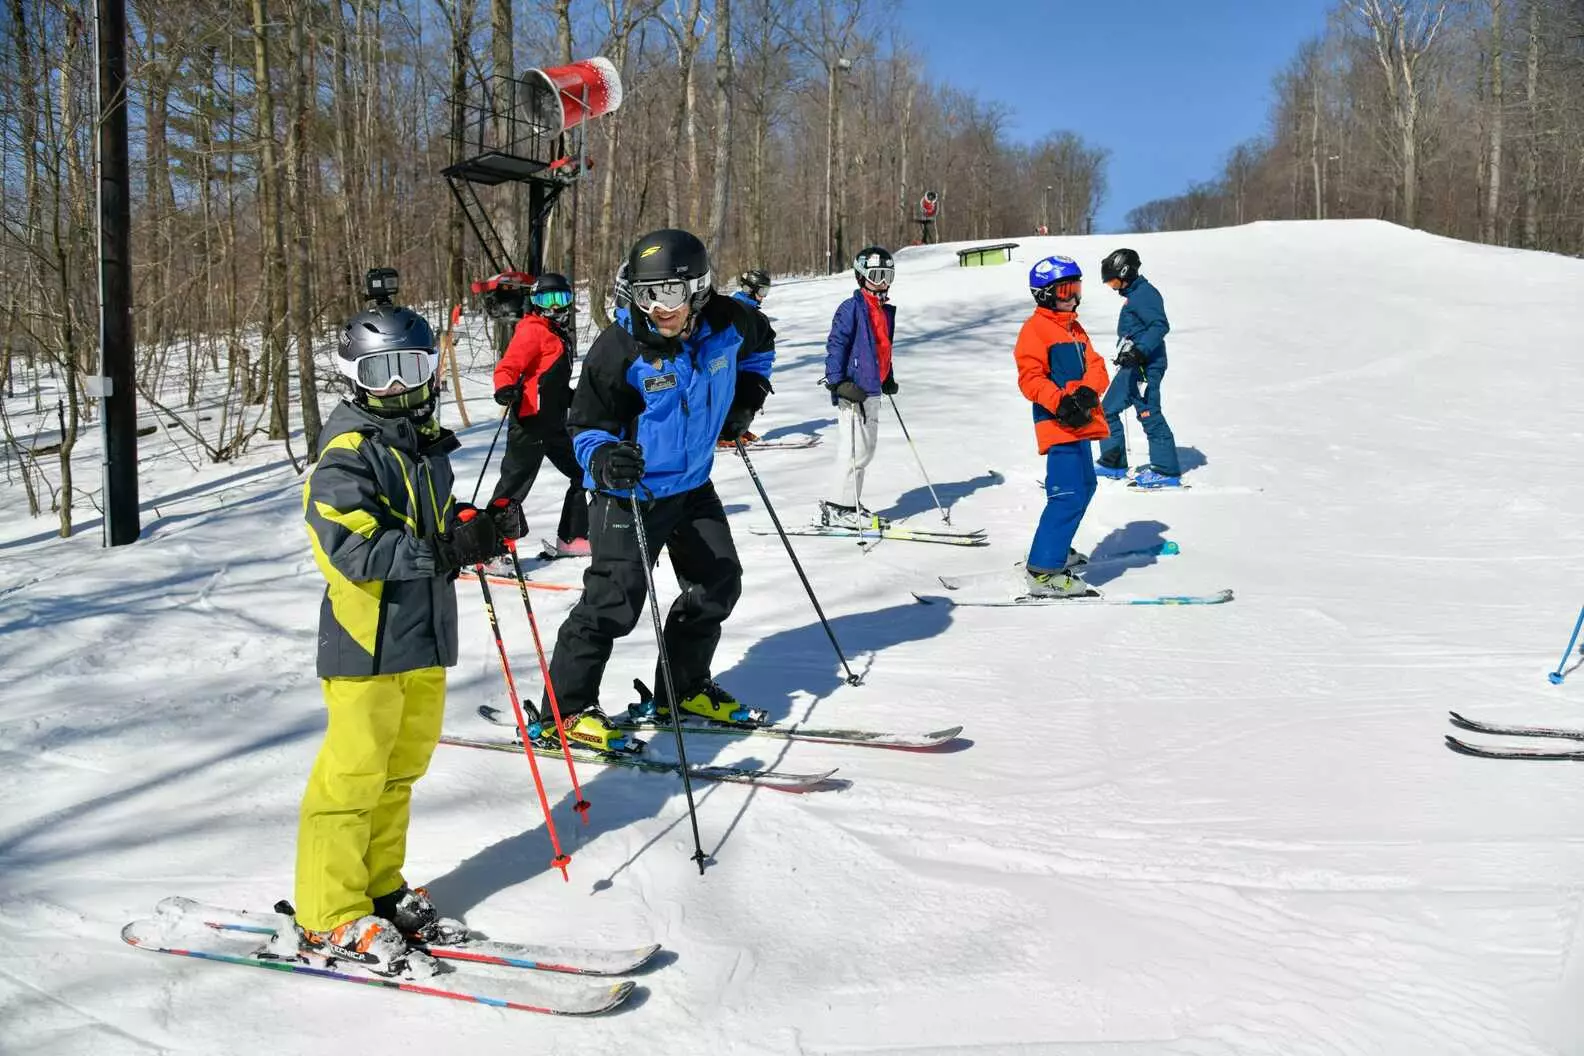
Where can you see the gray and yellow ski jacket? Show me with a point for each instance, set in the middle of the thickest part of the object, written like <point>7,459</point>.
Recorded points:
<point>379,492</point>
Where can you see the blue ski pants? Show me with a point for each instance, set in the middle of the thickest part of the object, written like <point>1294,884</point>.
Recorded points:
<point>1069,485</point>
<point>1140,388</point>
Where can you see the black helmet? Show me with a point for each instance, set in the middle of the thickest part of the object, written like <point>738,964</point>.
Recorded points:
<point>668,268</point>
<point>1120,264</point>
<point>382,346</point>
<point>552,297</point>
<point>753,280</point>
<point>621,290</point>
<point>874,267</point>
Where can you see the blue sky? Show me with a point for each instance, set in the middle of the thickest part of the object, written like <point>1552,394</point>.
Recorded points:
<point>1169,86</point>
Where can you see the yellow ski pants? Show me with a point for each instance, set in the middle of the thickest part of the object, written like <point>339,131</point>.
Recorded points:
<point>352,830</point>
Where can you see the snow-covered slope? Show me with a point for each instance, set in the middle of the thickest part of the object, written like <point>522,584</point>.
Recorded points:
<point>1195,830</point>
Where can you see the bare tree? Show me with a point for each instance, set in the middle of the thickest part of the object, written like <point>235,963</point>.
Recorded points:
<point>1403,33</point>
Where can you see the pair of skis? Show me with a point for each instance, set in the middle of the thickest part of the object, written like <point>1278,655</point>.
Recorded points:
<point>188,928</point>
<point>1502,751</point>
<point>771,779</point>
<point>789,443</point>
<point>970,591</point>
<point>945,534</point>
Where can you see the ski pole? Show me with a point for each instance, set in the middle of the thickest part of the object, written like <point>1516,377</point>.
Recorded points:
<point>742,452</point>
<point>505,414</point>
<point>945,514</point>
<point>665,673</point>
<point>561,859</point>
<point>582,805</point>
<point>1557,676</point>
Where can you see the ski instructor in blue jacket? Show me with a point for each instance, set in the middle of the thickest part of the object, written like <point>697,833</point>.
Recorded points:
<point>685,369</point>
<point>1141,363</point>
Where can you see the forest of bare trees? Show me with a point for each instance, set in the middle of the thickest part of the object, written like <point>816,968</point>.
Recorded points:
<point>281,147</point>
<point>1461,117</point>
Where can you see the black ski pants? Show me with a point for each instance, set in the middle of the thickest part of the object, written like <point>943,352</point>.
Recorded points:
<point>528,443</point>
<point>692,527</point>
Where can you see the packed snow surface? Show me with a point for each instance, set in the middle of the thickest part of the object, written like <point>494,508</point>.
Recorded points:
<point>1167,830</point>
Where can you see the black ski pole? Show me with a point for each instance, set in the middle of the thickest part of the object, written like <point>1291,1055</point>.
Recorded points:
<point>945,514</point>
<point>742,452</point>
<point>665,673</point>
<point>505,414</point>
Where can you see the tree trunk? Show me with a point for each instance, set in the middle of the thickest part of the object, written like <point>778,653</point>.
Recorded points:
<point>270,227</point>
<point>1494,166</point>
<point>1531,206</point>
<point>503,66</point>
<point>297,163</point>
<point>720,200</point>
<point>462,15</point>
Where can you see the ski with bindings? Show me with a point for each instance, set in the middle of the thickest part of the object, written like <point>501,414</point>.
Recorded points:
<point>1094,597</point>
<point>549,551</point>
<point>740,775</point>
<point>280,951</point>
<point>975,537</point>
<point>909,742</point>
<point>571,960</point>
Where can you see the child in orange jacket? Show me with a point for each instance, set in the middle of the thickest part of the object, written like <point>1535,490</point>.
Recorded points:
<point>1062,375</point>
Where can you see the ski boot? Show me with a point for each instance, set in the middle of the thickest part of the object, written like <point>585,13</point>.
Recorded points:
<point>372,943</point>
<point>708,701</point>
<point>1150,477</point>
<point>1055,585</point>
<point>1076,561</point>
<point>1110,472</point>
<point>411,911</point>
<point>835,515</point>
<point>748,440</point>
<point>571,548</point>
<point>589,729</point>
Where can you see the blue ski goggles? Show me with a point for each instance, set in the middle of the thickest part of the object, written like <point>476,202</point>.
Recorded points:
<point>552,299</point>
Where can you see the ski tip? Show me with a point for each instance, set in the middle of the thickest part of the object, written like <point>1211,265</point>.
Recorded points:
<point>951,733</point>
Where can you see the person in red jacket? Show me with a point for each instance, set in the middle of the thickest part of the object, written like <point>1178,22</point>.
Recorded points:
<point>1062,375</point>
<point>534,381</point>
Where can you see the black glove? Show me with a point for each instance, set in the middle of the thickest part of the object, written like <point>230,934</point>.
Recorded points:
<point>508,395</point>
<point>507,513</point>
<point>750,396</point>
<point>850,391</point>
<point>617,467</point>
<point>1129,355</point>
<point>1075,410</point>
<point>889,387</point>
<point>470,539</point>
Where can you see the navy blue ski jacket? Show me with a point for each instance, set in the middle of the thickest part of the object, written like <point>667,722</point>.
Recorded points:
<point>850,353</point>
<point>1143,319</point>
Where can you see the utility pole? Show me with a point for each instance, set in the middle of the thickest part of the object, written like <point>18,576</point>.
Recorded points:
<point>117,373</point>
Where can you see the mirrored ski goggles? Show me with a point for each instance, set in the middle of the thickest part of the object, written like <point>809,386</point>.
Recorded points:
<point>667,295</point>
<point>411,367</point>
<point>1066,290</point>
<point>879,276</point>
<point>552,299</point>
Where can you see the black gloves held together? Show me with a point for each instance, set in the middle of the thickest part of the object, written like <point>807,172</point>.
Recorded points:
<point>470,539</point>
<point>1075,410</point>
<point>749,397</point>
<point>889,386</point>
<point>617,467</point>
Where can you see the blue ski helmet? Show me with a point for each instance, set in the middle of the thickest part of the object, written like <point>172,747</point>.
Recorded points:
<point>1056,279</point>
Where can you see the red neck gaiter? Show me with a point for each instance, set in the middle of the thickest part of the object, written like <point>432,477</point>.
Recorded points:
<point>882,335</point>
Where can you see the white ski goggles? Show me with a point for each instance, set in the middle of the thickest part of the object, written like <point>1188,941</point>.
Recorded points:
<point>411,367</point>
<point>879,276</point>
<point>668,294</point>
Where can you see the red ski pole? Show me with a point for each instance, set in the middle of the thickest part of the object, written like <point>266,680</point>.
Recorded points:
<point>582,805</point>
<point>561,859</point>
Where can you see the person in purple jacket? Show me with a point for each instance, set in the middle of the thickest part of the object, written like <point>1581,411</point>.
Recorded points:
<point>858,367</point>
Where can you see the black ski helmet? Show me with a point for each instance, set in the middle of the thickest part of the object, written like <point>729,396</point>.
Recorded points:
<point>385,331</point>
<point>872,261</point>
<point>669,255</point>
<point>555,291</point>
<point>621,289</point>
<point>754,279</point>
<point>1120,264</point>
